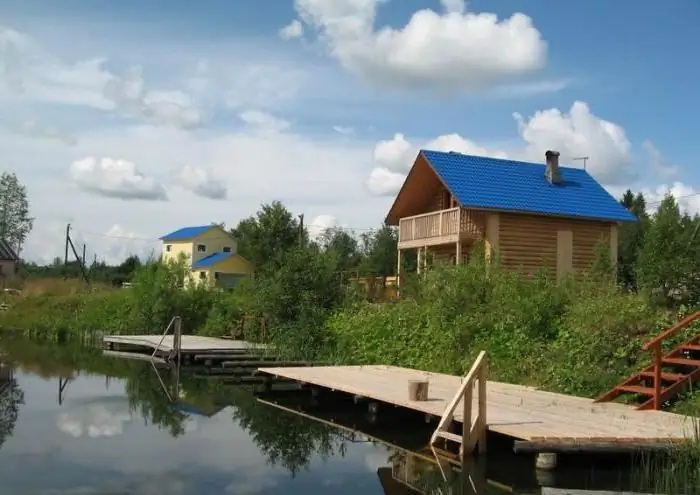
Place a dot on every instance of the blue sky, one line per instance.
(134, 118)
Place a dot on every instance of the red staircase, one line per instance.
(668, 375)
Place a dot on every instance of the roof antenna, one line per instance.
(584, 158)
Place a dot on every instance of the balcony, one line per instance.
(440, 227)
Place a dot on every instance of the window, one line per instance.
(217, 275)
(202, 275)
(227, 249)
(201, 248)
(168, 248)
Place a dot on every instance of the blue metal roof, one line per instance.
(211, 260)
(186, 233)
(493, 183)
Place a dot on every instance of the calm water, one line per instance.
(74, 422)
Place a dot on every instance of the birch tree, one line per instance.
(15, 221)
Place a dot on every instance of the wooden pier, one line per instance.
(190, 344)
(538, 421)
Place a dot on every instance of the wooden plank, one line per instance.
(520, 412)
(190, 343)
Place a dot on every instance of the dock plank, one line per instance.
(189, 343)
(520, 412)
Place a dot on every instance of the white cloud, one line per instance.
(263, 121)
(294, 29)
(688, 197)
(28, 71)
(574, 134)
(345, 130)
(320, 224)
(33, 129)
(659, 165)
(115, 178)
(174, 108)
(202, 182)
(451, 51)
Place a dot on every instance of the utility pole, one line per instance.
(584, 158)
(65, 258)
(301, 230)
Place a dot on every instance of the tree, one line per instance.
(665, 261)
(631, 237)
(344, 246)
(263, 238)
(15, 222)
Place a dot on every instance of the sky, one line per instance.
(131, 119)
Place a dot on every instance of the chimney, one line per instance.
(552, 171)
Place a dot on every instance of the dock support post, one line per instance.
(177, 338)
(546, 461)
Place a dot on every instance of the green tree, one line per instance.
(263, 238)
(344, 245)
(631, 237)
(665, 263)
(15, 222)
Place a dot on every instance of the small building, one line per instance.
(210, 252)
(9, 263)
(532, 215)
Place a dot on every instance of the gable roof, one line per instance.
(187, 233)
(6, 251)
(211, 260)
(496, 184)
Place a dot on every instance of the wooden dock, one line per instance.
(522, 413)
(190, 343)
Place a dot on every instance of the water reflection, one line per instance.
(87, 424)
(11, 398)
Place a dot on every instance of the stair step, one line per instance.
(636, 389)
(450, 436)
(690, 347)
(681, 361)
(667, 377)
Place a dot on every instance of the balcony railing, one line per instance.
(439, 227)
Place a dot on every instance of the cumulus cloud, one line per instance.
(574, 134)
(294, 29)
(660, 166)
(687, 196)
(202, 182)
(454, 50)
(320, 224)
(115, 178)
(174, 108)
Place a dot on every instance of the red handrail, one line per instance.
(655, 346)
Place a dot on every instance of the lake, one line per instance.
(75, 422)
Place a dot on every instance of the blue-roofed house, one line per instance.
(532, 215)
(211, 253)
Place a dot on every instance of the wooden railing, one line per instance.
(473, 432)
(429, 225)
(655, 344)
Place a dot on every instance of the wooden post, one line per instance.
(483, 377)
(467, 421)
(419, 260)
(399, 266)
(418, 390)
(440, 224)
(458, 253)
(177, 338)
(657, 376)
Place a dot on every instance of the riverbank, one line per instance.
(579, 337)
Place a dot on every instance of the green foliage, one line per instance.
(15, 220)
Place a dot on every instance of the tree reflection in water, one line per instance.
(11, 397)
(285, 439)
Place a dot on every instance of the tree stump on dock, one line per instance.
(418, 390)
